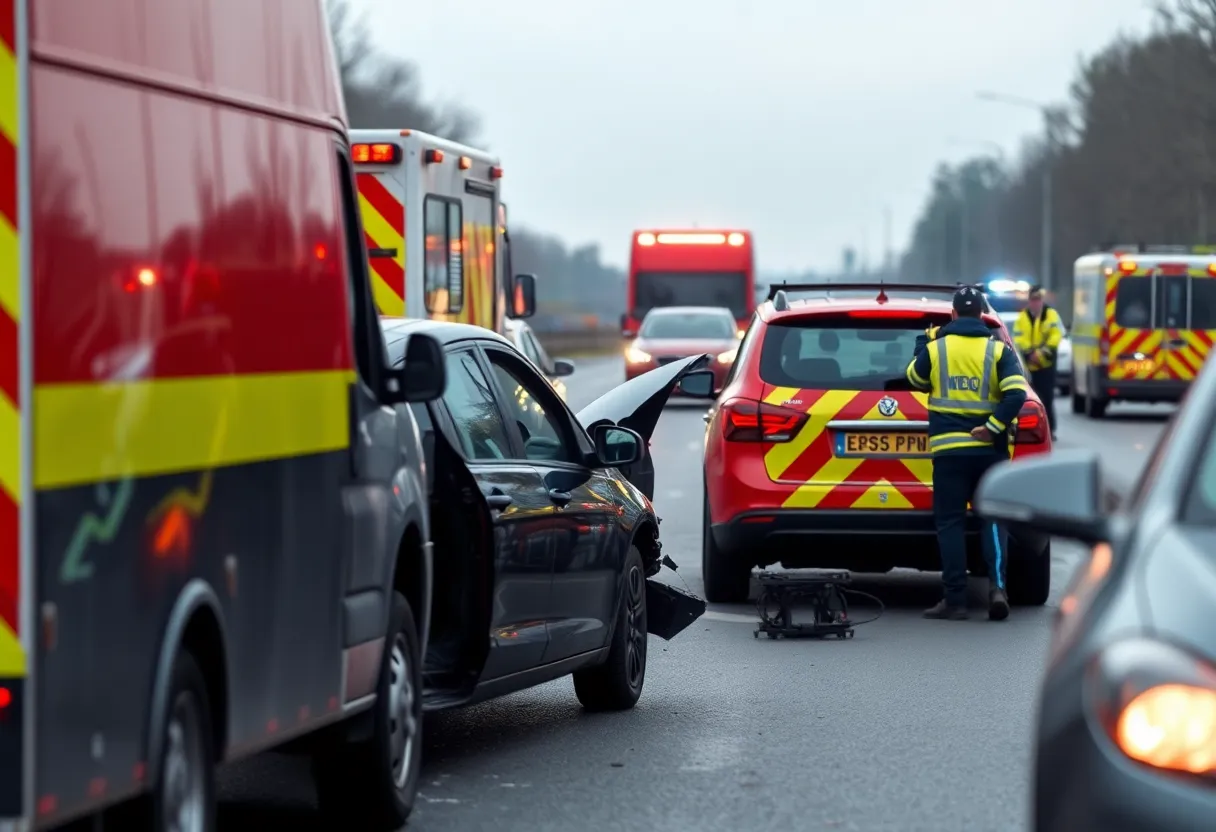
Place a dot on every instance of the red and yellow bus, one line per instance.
(690, 268)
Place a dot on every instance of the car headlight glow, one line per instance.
(635, 356)
(728, 357)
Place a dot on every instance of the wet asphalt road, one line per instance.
(912, 725)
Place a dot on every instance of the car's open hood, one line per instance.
(637, 404)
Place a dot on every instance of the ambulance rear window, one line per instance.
(1134, 302)
(841, 353)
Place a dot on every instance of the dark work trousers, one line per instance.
(955, 478)
(1044, 383)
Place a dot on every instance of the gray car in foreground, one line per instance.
(1126, 734)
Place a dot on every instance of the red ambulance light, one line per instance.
(496, 172)
(465, 163)
(736, 239)
(375, 154)
(1212, 269)
(1127, 266)
(434, 157)
(645, 239)
(6, 698)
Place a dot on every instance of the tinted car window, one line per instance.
(841, 354)
(1203, 303)
(845, 357)
(469, 400)
(1133, 302)
(657, 289)
(527, 400)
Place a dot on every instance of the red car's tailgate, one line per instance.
(859, 449)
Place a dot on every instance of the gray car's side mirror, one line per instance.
(562, 367)
(1059, 494)
(423, 376)
(616, 446)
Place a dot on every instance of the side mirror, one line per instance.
(626, 330)
(523, 296)
(617, 447)
(1059, 494)
(562, 367)
(424, 376)
(698, 384)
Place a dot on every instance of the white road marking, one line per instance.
(733, 617)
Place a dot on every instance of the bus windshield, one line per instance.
(658, 289)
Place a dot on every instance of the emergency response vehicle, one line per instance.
(1144, 319)
(817, 452)
(690, 268)
(214, 530)
(436, 227)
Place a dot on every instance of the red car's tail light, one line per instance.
(746, 420)
(1032, 425)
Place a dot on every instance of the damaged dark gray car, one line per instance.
(545, 538)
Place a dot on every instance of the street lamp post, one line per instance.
(1045, 267)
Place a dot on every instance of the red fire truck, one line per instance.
(690, 268)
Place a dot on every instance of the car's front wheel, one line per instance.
(372, 784)
(616, 685)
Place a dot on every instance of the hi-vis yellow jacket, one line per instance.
(1042, 334)
(973, 380)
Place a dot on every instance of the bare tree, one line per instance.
(1132, 153)
(384, 90)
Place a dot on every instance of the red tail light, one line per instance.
(752, 421)
(1032, 425)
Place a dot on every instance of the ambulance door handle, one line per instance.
(1176, 343)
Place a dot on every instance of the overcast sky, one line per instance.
(800, 120)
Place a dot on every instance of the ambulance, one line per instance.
(214, 522)
(1144, 323)
(436, 227)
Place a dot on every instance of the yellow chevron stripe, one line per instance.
(10, 270)
(9, 87)
(10, 453)
(12, 657)
(780, 457)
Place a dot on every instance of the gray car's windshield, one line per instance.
(692, 325)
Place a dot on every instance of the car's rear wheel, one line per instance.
(1095, 408)
(1029, 578)
(727, 576)
(616, 685)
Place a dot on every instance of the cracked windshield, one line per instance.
(588, 417)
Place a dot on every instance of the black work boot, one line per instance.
(998, 605)
(944, 612)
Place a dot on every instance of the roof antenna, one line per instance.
(882, 293)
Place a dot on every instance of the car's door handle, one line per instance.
(560, 498)
(498, 501)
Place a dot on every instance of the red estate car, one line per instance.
(817, 451)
